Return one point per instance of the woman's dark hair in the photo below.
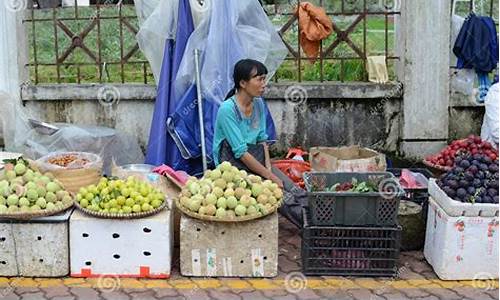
(244, 70)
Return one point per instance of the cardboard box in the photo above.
(222, 249)
(346, 159)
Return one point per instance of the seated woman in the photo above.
(240, 134)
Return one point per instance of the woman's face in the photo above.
(255, 86)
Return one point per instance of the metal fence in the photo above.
(86, 44)
(96, 43)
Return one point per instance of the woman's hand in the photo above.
(276, 180)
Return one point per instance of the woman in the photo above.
(240, 133)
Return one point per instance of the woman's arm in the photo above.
(255, 166)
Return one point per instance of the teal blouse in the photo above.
(239, 131)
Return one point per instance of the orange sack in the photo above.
(314, 26)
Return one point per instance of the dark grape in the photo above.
(477, 183)
(495, 199)
(476, 162)
(493, 168)
(480, 175)
(487, 199)
(453, 184)
(473, 169)
(483, 167)
(461, 193)
(468, 176)
(464, 164)
(492, 192)
(471, 190)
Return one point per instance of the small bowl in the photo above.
(143, 168)
(43, 128)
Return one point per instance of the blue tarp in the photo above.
(161, 148)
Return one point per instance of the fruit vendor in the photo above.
(240, 134)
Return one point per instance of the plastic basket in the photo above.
(349, 251)
(353, 208)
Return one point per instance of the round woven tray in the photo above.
(41, 213)
(436, 167)
(215, 219)
(103, 215)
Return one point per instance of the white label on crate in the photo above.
(228, 267)
(196, 262)
(211, 262)
(257, 263)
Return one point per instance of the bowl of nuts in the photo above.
(73, 169)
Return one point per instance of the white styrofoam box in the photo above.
(456, 208)
(123, 248)
(35, 248)
(222, 249)
(461, 248)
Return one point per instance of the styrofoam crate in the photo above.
(122, 248)
(35, 248)
(221, 249)
(461, 248)
(456, 208)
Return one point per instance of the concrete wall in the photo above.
(331, 115)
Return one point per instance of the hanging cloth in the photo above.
(314, 26)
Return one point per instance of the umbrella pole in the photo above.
(200, 108)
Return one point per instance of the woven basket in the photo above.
(438, 168)
(103, 215)
(215, 219)
(41, 213)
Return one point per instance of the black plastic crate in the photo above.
(420, 196)
(350, 251)
(353, 208)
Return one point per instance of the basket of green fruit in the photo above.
(25, 193)
(227, 194)
(114, 198)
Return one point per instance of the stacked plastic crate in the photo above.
(351, 233)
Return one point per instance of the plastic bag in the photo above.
(158, 22)
(248, 33)
(489, 130)
(377, 69)
(69, 160)
(106, 142)
(462, 81)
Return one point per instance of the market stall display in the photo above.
(445, 159)
(221, 249)
(366, 198)
(73, 169)
(138, 248)
(346, 159)
(26, 193)
(461, 247)
(117, 198)
(38, 247)
(227, 194)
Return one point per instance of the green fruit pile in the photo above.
(228, 193)
(24, 190)
(117, 196)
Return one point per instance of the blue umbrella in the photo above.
(161, 147)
